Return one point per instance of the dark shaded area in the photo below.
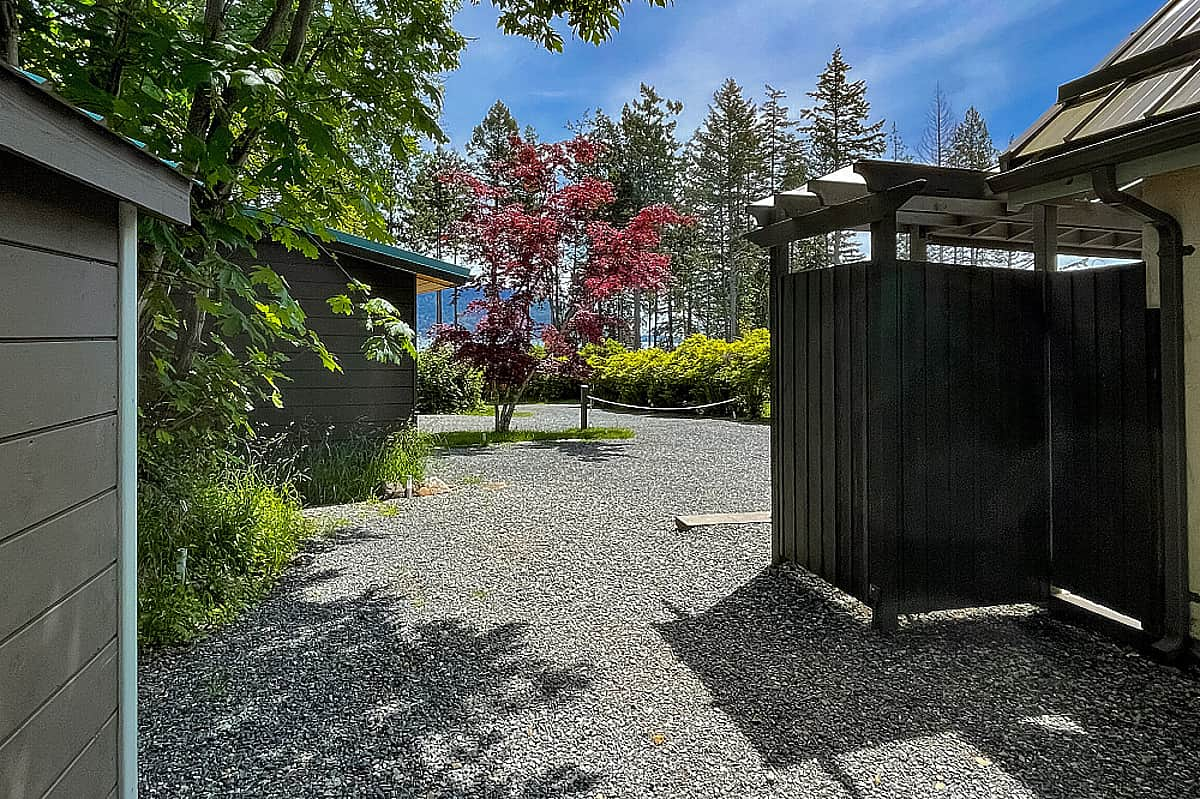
(351, 697)
(796, 666)
(595, 451)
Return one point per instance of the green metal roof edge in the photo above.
(453, 271)
(437, 267)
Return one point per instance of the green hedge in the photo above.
(698, 371)
(445, 385)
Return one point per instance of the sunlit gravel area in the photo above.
(543, 630)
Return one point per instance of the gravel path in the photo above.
(544, 631)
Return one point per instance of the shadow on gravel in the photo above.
(343, 698)
(589, 451)
(1003, 704)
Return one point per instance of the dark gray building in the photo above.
(365, 393)
(70, 192)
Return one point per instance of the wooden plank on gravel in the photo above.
(710, 519)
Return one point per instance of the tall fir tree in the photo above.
(839, 132)
(897, 150)
(491, 140)
(430, 202)
(784, 156)
(725, 167)
(971, 145)
(939, 130)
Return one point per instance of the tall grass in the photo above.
(238, 522)
(340, 471)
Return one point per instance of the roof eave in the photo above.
(1146, 141)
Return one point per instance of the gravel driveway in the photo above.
(544, 631)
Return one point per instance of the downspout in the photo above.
(1171, 252)
(127, 741)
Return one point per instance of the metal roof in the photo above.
(953, 207)
(1152, 77)
(432, 274)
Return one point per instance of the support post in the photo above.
(584, 401)
(1045, 261)
(918, 245)
(127, 740)
(884, 458)
(1045, 238)
(782, 513)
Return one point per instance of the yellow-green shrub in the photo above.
(699, 371)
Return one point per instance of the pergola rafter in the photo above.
(950, 207)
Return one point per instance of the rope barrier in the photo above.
(652, 408)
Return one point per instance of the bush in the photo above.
(336, 472)
(445, 385)
(699, 371)
(239, 522)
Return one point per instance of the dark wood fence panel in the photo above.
(911, 433)
(820, 424)
(1104, 433)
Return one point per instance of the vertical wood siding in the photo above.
(364, 392)
(58, 519)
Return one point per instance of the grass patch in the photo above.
(473, 438)
(239, 524)
(349, 470)
(487, 411)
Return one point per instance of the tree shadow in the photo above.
(595, 451)
(999, 703)
(355, 696)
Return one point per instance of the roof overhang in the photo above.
(40, 127)
(951, 207)
(431, 274)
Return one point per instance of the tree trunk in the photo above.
(10, 33)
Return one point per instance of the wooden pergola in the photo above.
(943, 206)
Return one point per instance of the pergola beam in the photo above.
(863, 210)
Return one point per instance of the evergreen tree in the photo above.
(840, 132)
(897, 150)
(939, 130)
(429, 204)
(491, 140)
(971, 145)
(725, 167)
(784, 157)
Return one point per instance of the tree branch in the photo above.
(273, 26)
(296, 39)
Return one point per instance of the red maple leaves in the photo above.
(537, 237)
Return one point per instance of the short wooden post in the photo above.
(584, 400)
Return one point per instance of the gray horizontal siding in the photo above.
(44, 210)
(94, 771)
(47, 652)
(48, 382)
(48, 295)
(42, 749)
(56, 557)
(51, 471)
(365, 392)
(58, 468)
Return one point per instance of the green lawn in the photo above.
(474, 438)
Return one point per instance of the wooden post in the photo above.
(918, 245)
(783, 502)
(1045, 261)
(584, 400)
(1045, 238)
(884, 456)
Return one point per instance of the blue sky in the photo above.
(1007, 57)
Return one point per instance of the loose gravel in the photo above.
(544, 631)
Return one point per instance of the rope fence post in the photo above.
(584, 400)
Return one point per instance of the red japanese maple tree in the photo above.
(537, 238)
